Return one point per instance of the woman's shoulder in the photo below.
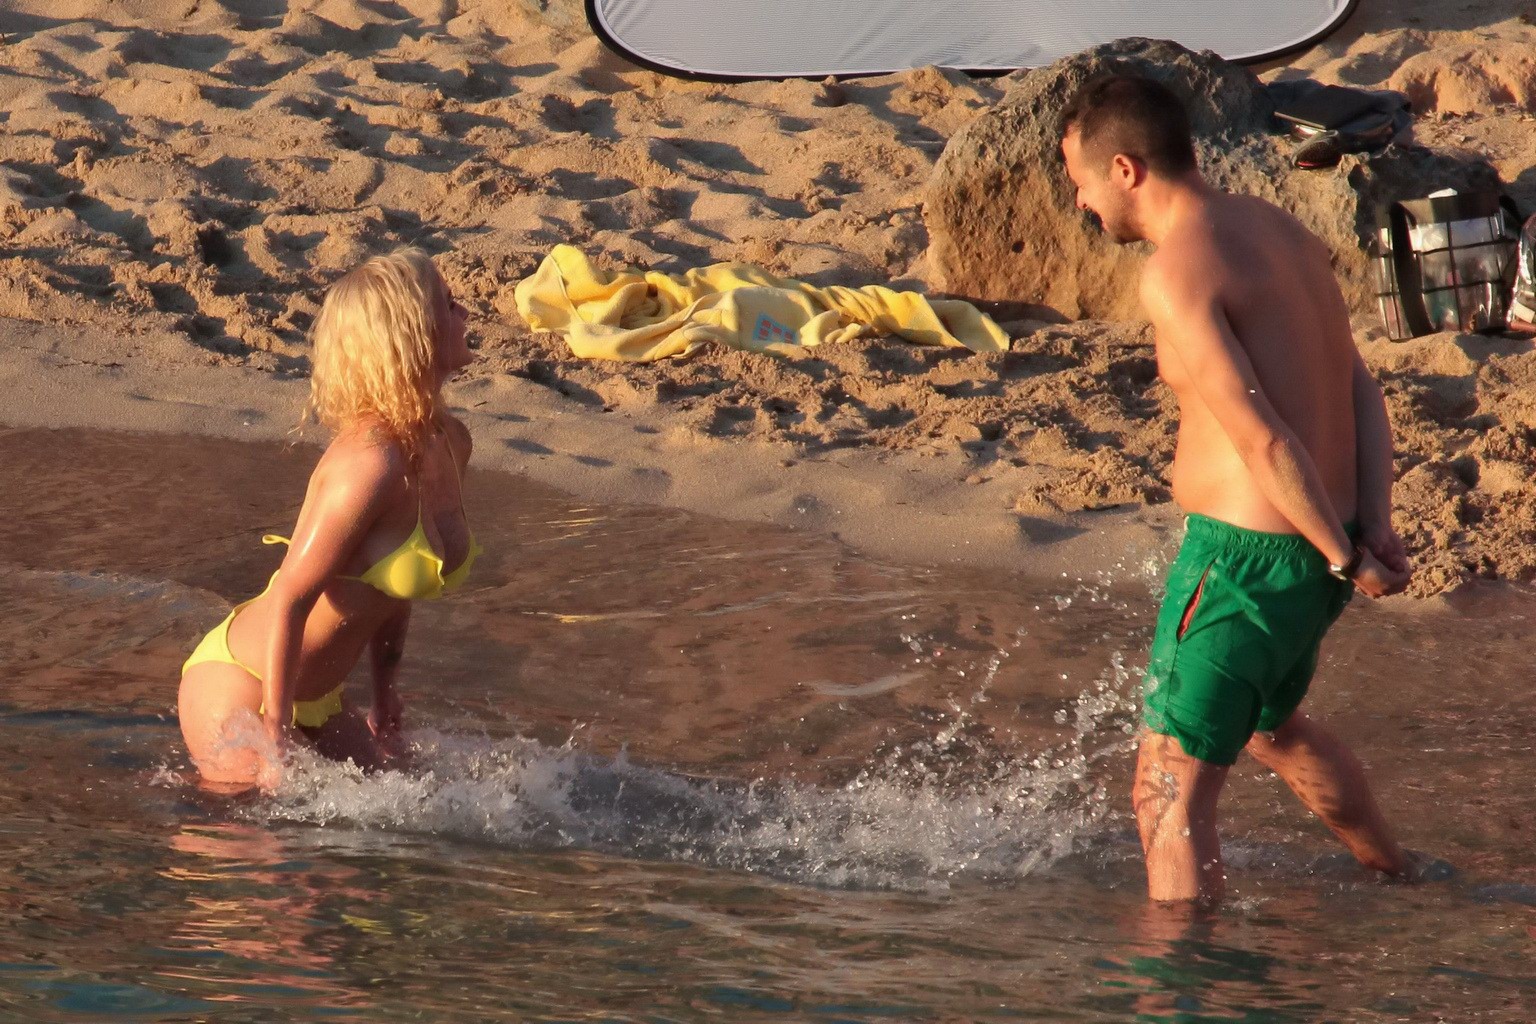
(458, 436)
(364, 456)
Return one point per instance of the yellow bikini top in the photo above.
(413, 571)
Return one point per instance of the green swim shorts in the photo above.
(1238, 634)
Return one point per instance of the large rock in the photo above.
(1003, 227)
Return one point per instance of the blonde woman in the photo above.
(382, 525)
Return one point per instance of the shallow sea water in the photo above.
(676, 769)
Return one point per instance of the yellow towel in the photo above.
(642, 317)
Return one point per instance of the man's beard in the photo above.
(1123, 230)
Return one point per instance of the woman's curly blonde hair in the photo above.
(375, 347)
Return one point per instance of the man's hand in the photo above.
(1383, 542)
(1376, 579)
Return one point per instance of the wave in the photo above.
(926, 815)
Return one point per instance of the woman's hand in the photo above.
(385, 722)
(281, 741)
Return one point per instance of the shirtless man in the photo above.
(1284, 464)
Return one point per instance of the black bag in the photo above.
(1325, 108)
(1446, 263)
(1328, 121)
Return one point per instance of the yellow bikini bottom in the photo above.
(311, 714)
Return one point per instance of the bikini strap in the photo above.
(272, 538)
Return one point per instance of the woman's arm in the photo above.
(354, 483)
(386, 649)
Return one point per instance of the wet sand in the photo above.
(908, 509)
(179, 187)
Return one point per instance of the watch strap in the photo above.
(1348, 569)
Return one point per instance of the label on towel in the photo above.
(770, 330)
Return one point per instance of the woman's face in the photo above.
(453, 353)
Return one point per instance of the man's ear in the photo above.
(1127, 171)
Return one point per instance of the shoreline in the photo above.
(52, 378)
(903, 507)
(170, 230)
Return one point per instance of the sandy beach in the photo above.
(784, 687)
(181, 180)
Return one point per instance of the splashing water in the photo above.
(925, 814)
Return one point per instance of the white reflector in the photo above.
(816, 38)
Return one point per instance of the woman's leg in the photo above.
(217, 706)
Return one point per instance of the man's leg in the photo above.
(1323, 772)
(1175, 797)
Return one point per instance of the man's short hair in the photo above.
(1132, 115)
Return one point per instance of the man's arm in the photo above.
(1373, 455)
(1186, 311)
(1373, 448)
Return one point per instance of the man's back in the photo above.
(1272, 282)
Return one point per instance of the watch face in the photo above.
(1348, 569)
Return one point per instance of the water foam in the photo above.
(926, 814)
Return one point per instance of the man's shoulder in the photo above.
(1202, 253)
(1188, 261)
(1252, 218)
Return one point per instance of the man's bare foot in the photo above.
(1417, 868)
(1423, 868)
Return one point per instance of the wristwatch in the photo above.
(1348, 569)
